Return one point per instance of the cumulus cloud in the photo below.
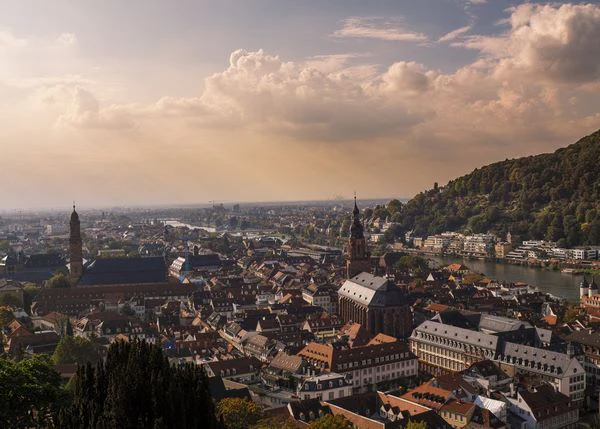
(547, 42)
(378, 28)
(515, 98)
(262, 91)
(83, 110)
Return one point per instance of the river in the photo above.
(178, 224)
(562, 285)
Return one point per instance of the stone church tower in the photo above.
(75, 249)
(358, 258)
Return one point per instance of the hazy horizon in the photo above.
(144, 103)
(226, 204)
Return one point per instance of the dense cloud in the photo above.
(555, 43)
(344, 118)
(510, 88)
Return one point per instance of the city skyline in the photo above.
(149, 104)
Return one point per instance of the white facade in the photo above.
(325, 387)
(380, 371)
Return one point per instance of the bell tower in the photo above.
(358, 258)
(75, 249)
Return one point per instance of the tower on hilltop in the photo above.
(358, 258)
(75, 249)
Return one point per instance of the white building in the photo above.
(325, 387)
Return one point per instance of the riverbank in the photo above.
(556, 283)
(549, 264)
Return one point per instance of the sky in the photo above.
(159, 102)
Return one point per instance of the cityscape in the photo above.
(321, 215)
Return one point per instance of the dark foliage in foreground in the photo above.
(137, 388)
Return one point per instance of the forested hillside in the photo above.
(550, 196)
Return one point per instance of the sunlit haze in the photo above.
(158, 102)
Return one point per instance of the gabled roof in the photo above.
(461, 335)
(369, 290)
(546, 402)
(535, 359)
(286, 362)
(493, 323)
(242, 365)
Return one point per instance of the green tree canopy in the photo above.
(6, 316)
(74, 350)
(238, 413)
(416, 425)
(411, 263)
(275, 423)
(9, 299)
(59, 280)
(330, 421)
(552, 196)
(30, 394)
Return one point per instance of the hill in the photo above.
(552, 196)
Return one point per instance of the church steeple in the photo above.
(356, 230)
(75, 248)
(358, 259)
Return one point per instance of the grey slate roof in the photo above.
(124, 271)
(500, 324)
(453, 333)
(535, 359)
(368, 290)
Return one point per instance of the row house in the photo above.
(542, 408)
(445, 348)
(326, 386)
(244, 369)
(563, 372)
(368, 366)
(260, 347)
(590, 346)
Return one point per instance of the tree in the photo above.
(238, 413)
(58, 280)
(75, 350)
(126, 310)
(394, 206)
(31, 394)
(330, 421)
(135, 387)
(275, 423)
(69, 329)
(571, 313)
(6, 316)
(29, 292)
(9, 299)
(411, 263)
(416, 425)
